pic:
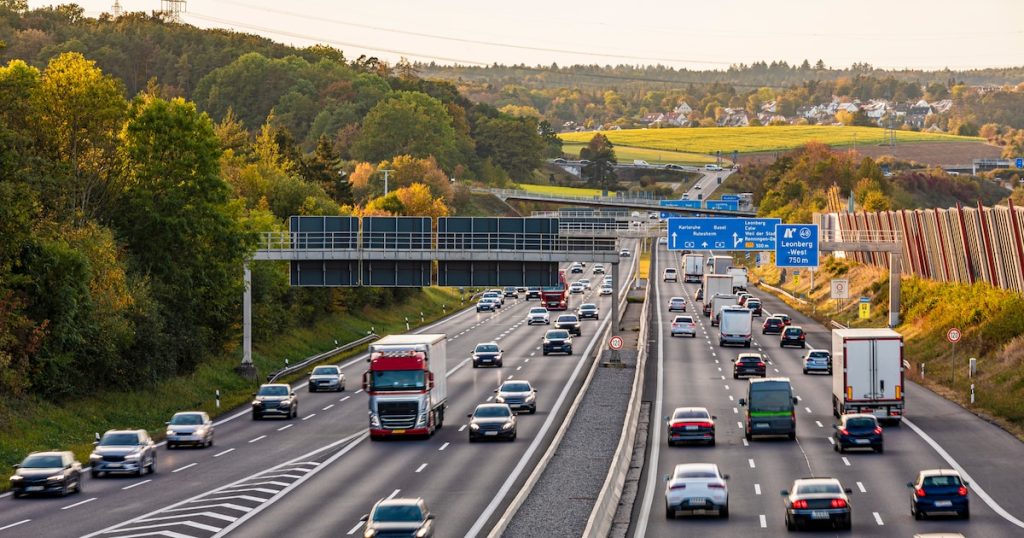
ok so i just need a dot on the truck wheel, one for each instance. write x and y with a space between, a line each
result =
792 436
545 352
746 344
749 436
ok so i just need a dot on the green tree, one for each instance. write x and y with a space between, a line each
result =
512 143
175 216
600 171
408 123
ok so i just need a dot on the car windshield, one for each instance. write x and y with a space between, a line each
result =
696 474
753 304
492 411
557 335
399 380
684 319
773 321
538 311
793 332
588 306
42 462
749 360
819 354
189 419
567 319
807 489
941 481
691 413
397 513
120 439
516 387
862 423
325 370
771 400
677 299
273 391
487 348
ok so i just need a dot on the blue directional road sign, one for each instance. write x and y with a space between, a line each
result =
735 197
796 245
1020 162
727 205
721 234
691 204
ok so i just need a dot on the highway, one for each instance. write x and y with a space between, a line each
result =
697 372
318 473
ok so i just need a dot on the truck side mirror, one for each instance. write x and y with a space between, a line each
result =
430 381
366 381
743 401
796 401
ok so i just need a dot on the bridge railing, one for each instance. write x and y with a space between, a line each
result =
448 241
861 236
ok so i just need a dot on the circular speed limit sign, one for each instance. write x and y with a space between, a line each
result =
615 342
953 335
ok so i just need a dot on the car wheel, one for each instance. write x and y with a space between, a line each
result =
475 365
669 513
471 439
256 416
835 447
724 512
734 376
78 484
295 411
210 442
789 525
94 474
803 346
64 489
805 371
15 494
501 364
545 352
569 352
711 443
673 335
966 514
749 436
312 389
880 449
533 410
918 515
142 469
792 436
170 445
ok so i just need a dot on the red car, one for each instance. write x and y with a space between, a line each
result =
772 325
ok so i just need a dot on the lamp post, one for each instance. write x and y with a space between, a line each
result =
386 172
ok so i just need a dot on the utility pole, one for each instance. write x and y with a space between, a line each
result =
386 172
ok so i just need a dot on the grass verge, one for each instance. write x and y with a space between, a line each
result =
32 424
991 320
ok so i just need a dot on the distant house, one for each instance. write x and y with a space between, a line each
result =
676 119
683 109
652 118
917 113
942 106
734 117
876 109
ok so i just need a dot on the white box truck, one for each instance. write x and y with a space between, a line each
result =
720 265
720 301
734 326
693 267
407 385
739 278
713 285
867 373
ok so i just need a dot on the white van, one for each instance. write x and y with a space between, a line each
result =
712 167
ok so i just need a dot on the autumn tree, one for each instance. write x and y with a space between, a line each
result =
407 123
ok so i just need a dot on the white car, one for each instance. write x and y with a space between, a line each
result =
496 295
607 281
575 288
624 253
712 167
538 315
698 488
598 268
662 240
606 289
670 274
684 325
585 282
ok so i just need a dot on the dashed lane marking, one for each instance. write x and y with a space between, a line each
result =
285 427
257 439
421 467
818 422
328 407
143 482
345 398
444 446
750 461
860 486
219 454
757 489
878 518
193 464
80 503
311 415
15 524
846 462
764 521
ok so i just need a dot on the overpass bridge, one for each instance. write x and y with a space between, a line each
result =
640 204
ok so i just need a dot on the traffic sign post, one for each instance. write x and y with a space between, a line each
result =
723 204
796 245
953 335
721 234
689 204
840 290
1020 162
615 343
865 308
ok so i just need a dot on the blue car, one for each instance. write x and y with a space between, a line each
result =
939 491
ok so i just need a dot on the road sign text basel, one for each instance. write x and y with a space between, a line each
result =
721 234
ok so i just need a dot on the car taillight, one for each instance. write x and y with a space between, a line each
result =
802 337
838 503
844 431
678 486
878 430
760 364
962 491
799 505
675 325
705 425
716 486
920 492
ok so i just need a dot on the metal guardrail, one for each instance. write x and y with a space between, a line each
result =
602 516
468 242
836 325
273 377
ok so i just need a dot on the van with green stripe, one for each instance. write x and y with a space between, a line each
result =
770 408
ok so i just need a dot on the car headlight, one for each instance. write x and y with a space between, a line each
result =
500 399
422 419
531 397
95 457
132 456
16 478
369 533
170 433
421 533
56 477
374 421
507 426
256 402
474 426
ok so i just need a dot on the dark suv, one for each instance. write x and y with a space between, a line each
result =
755 307
47 472
275 399
793 336
557 340
569 322
749 364
533 293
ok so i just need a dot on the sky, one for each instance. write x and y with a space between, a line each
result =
692 34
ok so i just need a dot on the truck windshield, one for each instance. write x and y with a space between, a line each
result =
399 380
771 400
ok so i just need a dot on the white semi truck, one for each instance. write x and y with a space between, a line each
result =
693 267
867 373
714 285
719 302
720 265
739 278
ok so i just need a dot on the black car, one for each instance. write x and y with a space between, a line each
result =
939 491
557 340
492 421
575 269
817 501
857 431
47 472
533 293
569 322
772 325
487 354
793 336
690 424
510 291
123 451
518 395
399 517
749 364
275 399
588 310
755 307
700 295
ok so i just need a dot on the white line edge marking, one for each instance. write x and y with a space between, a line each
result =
845 461
421 467
219 454
860 486
22 522
135 484
652 469
764 521
967 477
878 518
393 494
79 503
354 529
193 464
757 489
444 446
750 461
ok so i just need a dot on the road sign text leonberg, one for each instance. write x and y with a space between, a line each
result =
796 245
721 234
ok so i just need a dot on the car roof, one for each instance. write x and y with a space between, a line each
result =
503 383
587 305
490 405
285 385
749 355
791 327
399 501
487 344
189 413
686 409
124 431
677 298
939 472
696 467
51 453
816 480
686 316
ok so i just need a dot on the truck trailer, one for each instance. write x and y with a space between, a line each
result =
734 326
720 265
867 373
739 278
407 385
715 285
719 302
693 267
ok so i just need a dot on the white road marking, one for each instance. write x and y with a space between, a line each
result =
22 522
963 473
735 410
818 422
757 489
719 368
745 443
846 462
219 454
444 446
860 486
751 462
798 398
185 467
421 467
354 529
257 439
462 428
776 370
739 425
727 387
140 483
311 415
358 391
509 377
878 518
489 398
831 441
519 368
716 361
328 407
80 503
723 377
393 494
730 398
528 360
713 354
764 521
808 409
285 427
345 398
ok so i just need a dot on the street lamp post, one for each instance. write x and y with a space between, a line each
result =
386 172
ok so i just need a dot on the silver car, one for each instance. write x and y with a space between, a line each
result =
123 451
190 428
326 377
518 395
684 325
